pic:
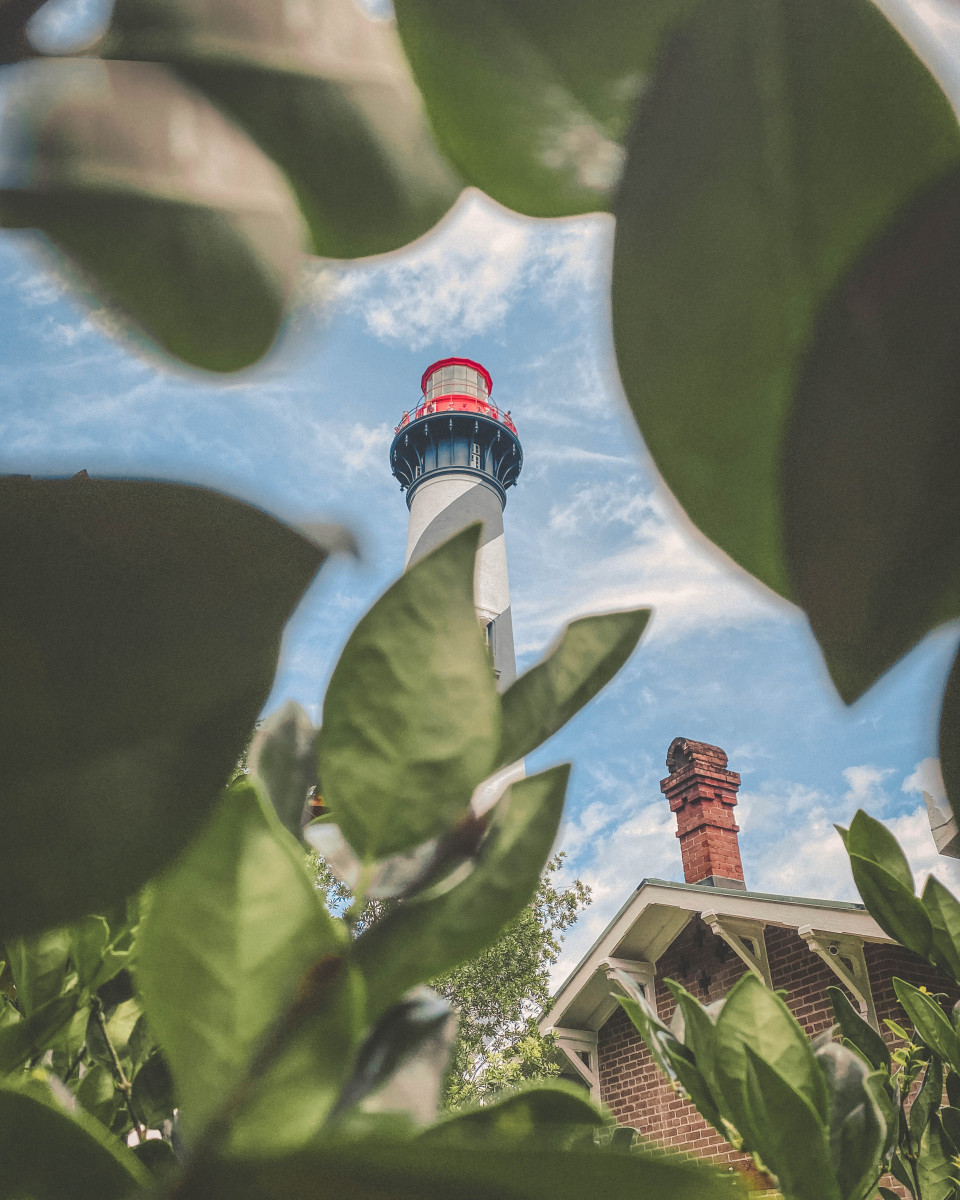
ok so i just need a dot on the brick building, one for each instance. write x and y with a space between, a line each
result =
705 933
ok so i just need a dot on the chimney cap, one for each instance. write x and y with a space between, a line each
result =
683 752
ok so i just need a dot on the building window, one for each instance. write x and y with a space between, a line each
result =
475 455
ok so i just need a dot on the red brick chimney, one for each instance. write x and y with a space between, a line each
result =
702 792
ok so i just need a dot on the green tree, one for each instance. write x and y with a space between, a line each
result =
499 994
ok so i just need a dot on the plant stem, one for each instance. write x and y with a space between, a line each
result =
123 1083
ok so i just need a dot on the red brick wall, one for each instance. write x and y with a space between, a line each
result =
638 1094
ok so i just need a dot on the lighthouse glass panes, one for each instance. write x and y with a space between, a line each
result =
458 379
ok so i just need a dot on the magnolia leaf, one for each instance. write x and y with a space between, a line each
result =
943 910
532 101
856 1127
231 931
31 1037
152 1094
411 719
424 1169
171 213
755 1018
49 1155
791 1137
98 1093
326 92
856 1030
39 967
586 657
895 909
871 839
927 1101
141 626
775 142
929 1021
544 1111
283 755
936 1171
427 935
656 1035
870 494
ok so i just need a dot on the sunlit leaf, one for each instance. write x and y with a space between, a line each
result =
929 1021
943 910
547 1111
896 909
775 142
172 214
869 838
856 1030
936 1171
326 91
426 936
532 101
141 625
231 930
39 967
411 719
856 1126
587 656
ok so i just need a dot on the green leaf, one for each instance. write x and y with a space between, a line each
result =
857 1126
886 1193
856 1030
133 664
231 931
927 1101
791 1137
411 719
171 213
429 934
929 1021
755 1018
426 1170
767 155
48 1155
871 839
326 92
31 1037
98 1094
895 908
870 493
283 755
699 1076
587 656
935 1170
944 913
152 1095
532 101
89 938
655 1034
39 967
950 1118
546 1111
119 1030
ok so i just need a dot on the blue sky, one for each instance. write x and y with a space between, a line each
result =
589 528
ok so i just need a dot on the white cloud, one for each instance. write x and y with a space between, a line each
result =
863 783
463 278
926 777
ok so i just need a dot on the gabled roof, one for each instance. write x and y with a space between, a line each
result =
656 913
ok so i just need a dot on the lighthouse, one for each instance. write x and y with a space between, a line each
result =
455 455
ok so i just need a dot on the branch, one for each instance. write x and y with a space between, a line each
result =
123 1083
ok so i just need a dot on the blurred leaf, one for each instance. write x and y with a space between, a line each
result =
119 1029
944 913
532 101
587 656
156 1155
775 141
882 1090
401 1033
89 938
655 1034
950 1118
39 967
231 931
133 665
699 1078
859 1032
871 496
98 1094
930 1023
326 92
927 1100
32 1036
48 1155
936 1172
425 936
152 1095
411 719
538 1114
283 754
790 1134
857 1127
895 909
173 215
949 739
430 1171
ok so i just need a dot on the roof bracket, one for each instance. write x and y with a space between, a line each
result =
643 975
580 1048
843 954
745 937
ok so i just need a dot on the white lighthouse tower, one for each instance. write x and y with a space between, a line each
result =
455 455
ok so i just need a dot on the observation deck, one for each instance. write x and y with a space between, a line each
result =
456 429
